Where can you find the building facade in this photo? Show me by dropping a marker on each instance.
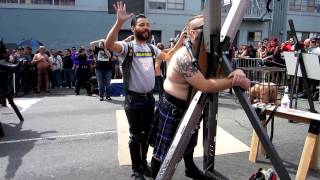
(66, 23)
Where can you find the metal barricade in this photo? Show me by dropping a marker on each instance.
(268, 82)
(247, 62)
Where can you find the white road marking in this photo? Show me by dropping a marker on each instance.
(59, 137)
(25, 103)
(225, 144)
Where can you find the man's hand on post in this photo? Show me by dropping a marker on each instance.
(239, 79)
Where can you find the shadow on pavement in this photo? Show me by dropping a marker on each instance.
(16, 149)
(114, 101)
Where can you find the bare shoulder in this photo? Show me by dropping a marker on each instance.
(184, 64)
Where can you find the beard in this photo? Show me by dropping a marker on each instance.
(142, 35)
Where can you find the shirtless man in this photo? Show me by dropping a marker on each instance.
(181, 74)
(43, 63)
(264, 93)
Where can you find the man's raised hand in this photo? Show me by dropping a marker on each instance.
(120, 9)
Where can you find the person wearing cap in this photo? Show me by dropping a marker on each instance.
(41, 59)
(139, 80)
(313, 46)
(104, 66)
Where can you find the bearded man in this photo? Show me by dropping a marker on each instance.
(139, 78)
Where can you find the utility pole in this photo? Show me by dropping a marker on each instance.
(279, 20)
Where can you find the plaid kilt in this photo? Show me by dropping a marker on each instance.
(170, 115)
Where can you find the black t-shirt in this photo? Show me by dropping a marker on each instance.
(103, 61)
(67, 62)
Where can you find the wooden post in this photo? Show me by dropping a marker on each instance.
(315, 164)
(305, 160)
(261, 148)
(254, 147)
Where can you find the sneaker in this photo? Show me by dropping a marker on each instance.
(101, 98)
(137, 176)
(76, 93)
(108, 98)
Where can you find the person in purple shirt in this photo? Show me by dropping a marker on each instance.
(83, 72)
(74, 54)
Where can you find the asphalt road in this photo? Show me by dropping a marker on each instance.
(68, 137)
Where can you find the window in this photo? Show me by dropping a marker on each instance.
(166, 4)
(175, 4)
(134, 6)
(8, 1)
(45, 2)
(64, 2)
(312, 6)
(41, 2)
(304, 35)
(202, 4)
(157, 4)
(254, 36)
(317, 6)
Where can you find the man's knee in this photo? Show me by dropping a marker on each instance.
(134, 139)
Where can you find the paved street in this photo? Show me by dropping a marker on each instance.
(68, 137)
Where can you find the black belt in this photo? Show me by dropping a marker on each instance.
(182, 104)
(139, 94)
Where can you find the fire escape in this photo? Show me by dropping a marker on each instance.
(256, 12)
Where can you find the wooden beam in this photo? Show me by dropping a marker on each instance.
(305, 160)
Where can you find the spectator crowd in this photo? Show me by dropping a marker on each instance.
(64, 69)
(54, 69)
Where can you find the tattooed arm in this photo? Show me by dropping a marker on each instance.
(195, 78)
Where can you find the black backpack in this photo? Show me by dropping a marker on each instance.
(127, 64)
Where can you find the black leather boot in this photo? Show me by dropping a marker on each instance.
(192, 171)
(134, 147)
(146, 169)
(137, 176)
(155, 166)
